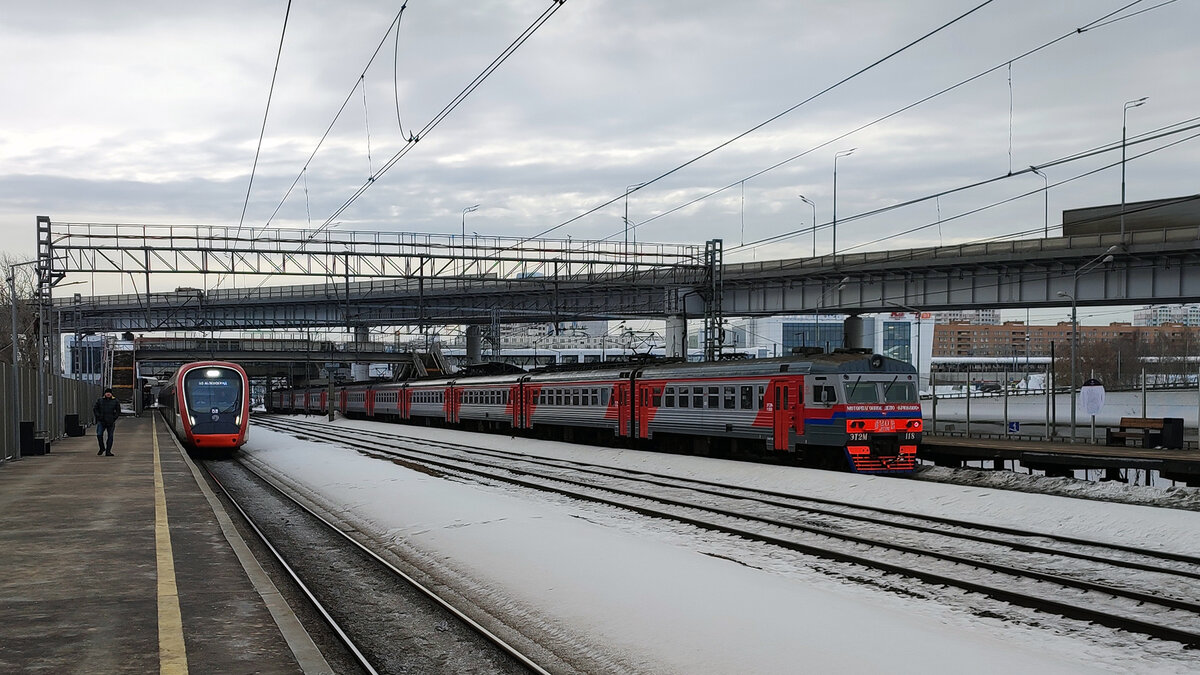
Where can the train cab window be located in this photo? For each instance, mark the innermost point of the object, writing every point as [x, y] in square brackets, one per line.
[683, 397]
[900, 392]
[822, 393]
[730, 401]
[858, 391]
[747, 397]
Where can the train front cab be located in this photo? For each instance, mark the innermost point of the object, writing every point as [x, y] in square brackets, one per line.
[215, 406]
[883, 422]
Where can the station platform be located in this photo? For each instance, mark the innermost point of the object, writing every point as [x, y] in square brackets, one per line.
[1059, 458]
[128, 564]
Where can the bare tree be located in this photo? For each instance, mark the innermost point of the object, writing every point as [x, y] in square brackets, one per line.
[27, 315]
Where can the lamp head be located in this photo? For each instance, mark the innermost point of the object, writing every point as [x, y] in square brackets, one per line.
[1064, 294]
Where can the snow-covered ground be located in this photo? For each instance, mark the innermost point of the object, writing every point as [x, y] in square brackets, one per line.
[640, 595]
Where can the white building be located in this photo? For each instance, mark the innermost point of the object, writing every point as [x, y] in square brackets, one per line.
[1158, 315]
[905, 336]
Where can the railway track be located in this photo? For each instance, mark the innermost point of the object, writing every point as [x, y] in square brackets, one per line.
[1153, 593]
[387, 621]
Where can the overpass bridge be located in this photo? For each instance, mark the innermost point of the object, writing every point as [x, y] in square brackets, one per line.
[1153, 267]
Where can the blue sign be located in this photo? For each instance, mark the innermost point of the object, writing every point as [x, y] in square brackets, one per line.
[1014, 427]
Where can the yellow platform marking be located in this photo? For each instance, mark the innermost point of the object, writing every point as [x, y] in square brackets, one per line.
[172, 655]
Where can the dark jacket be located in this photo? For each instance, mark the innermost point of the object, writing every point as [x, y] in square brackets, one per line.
[107, 410]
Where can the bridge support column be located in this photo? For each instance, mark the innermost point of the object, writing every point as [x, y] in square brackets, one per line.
[852, 332]
[676, 336]
[360, 371]
[474, 345]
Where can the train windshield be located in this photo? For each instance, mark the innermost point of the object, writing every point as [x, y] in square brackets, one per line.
[213, 390]
[862, 390]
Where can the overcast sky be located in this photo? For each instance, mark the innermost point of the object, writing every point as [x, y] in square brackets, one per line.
[149, 112]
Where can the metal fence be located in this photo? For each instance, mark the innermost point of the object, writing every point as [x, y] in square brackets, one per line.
[64, 396]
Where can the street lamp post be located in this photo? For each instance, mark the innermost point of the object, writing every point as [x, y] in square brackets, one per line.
[1045, 202]
[843, 153]
[1101, 259]
[628, 189]
[814, 211]
[465, 211]
[1125, 114]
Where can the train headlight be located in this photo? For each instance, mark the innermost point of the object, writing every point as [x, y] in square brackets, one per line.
[238, 420]
[191, 420]
[914, 425]
[212, 372]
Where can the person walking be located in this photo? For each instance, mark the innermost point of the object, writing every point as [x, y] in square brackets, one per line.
[106, 410]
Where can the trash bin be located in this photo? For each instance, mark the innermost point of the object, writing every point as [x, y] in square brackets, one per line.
[27, 440]
[1172, 434]
[71, 425]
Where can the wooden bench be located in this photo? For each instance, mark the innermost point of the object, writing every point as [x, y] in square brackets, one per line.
[1136, 428]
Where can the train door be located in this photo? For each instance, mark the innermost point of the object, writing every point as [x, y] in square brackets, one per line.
[779, 400]
[621, 395]
[516, 405]
[344, 400]
[798, 408]
[645, 408]
[453, 404]
[404, 403]
[369, 402]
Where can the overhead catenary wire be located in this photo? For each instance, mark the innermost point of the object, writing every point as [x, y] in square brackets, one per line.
[345, 102]
[1096, 23]
[262, 132]
[771, 119]
[449, 108]
[1158, 134]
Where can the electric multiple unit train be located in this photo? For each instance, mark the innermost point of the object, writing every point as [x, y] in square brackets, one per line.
[847, 408]
[207, 406]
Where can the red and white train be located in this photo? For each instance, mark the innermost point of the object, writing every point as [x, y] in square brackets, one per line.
[207, 406]
[847, 408]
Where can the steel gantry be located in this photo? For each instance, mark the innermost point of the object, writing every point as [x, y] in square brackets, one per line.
[365, 278]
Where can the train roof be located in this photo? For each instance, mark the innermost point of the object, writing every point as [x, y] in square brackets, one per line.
[846, 361]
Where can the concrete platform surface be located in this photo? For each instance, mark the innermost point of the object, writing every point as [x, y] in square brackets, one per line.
[120, 565]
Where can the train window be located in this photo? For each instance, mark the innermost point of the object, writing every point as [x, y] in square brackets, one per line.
[747, 397]
[714, 397]
[504, 398]
[784, 398]
[861, 392]
[669, 399]
[596, 397]
[900, 392]
[762, 390]
[824, 394]
[656, 399]
[730, 399]
[604, 397]
[683, 397]
[697, 397]
[574, 397]
[558, 397]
